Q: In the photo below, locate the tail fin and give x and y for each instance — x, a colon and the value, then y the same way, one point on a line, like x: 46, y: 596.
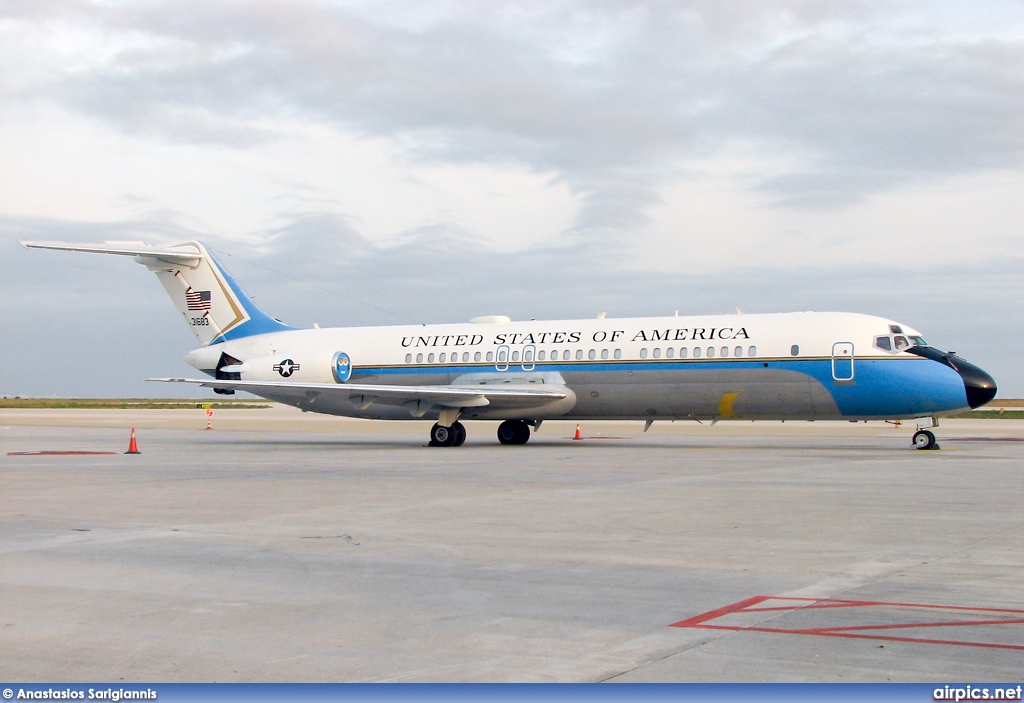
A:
x: 215, y: 308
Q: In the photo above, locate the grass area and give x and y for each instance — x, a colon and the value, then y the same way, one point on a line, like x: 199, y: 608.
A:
x: 125, y: 403
x: 1008, y: 403
x: 991, y: 415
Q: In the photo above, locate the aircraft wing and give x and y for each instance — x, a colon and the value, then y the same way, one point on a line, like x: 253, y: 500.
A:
x: 363, y: 395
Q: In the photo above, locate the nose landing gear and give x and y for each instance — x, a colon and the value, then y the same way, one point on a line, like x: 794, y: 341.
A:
x: 923, y: 439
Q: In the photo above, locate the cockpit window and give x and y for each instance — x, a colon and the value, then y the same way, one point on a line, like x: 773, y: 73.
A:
x: 918, y: 342
x: 883, y: 343
x: 901, y: 342
x: 895, y: 329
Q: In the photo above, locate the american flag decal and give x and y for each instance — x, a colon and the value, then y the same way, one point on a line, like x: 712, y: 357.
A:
x: 197, y: 299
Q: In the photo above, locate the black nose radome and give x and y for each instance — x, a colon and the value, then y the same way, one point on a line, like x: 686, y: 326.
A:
x: 980, y: 387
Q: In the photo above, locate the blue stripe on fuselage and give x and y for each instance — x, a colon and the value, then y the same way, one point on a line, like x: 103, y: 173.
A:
x: 882, y: 388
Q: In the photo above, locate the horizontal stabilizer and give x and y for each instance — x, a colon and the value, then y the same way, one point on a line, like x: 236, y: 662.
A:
x: 186, y: 255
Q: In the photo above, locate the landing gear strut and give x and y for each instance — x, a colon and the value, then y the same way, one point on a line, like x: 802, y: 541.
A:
x: 514, y: 432
x: 453, y: 436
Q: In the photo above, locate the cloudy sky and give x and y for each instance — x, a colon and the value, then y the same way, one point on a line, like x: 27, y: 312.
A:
x: 374, y: 163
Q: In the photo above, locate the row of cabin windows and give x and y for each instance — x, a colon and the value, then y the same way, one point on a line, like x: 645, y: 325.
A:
x: 709, y: 352
x: 567, y: 355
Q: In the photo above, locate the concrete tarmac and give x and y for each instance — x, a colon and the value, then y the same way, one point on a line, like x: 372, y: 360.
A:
x: 297, y: 548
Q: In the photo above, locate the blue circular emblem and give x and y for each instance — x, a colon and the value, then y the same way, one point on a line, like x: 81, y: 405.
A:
x: 342, y: 367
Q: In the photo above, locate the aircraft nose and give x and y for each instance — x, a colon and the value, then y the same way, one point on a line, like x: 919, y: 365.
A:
x: 980, y: 386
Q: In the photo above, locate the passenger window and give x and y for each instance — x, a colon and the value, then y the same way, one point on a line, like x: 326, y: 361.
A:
x: 738, y: 351
x: 618, y: 353
x: 643, y: 353
x: 465, y: 357
x: 579, y: 355
x: 794, y: 350
x: 604, y: 353
x: 476, y: 357
x: 540, y: 355
x: 592, y: 354
x: 657, y: 352
x: 901, y: 343
x: 515, y: 355
x: 490, y: 356
x: 442, y: 357
x: 430, y: 358
x: 419, y: 358
x: 883, y: 343
x: 752, y: 351
x: 554, y: 355
x: 683, y: 352
x: 696, y: 352
x: 408, y: 358
x: 711, y: 352
x: 669, y: 353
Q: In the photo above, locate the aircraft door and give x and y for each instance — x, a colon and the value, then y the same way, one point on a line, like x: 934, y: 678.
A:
x: 501, y: 358
x: 842, y: 362
x: 529, y: 357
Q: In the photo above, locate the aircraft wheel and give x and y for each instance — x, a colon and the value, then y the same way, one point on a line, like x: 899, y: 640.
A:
x: 460, y: 434
x: 923, y: 439
x: 513, y: 432
x: 441, y: 436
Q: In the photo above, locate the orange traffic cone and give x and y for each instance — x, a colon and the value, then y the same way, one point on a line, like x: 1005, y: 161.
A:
x: 133, y: 448
x: 579, y: 435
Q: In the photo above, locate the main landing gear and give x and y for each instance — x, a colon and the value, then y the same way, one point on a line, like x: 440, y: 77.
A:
x: 514, y: 432
x: 509, y: 432
x: 441, y: 436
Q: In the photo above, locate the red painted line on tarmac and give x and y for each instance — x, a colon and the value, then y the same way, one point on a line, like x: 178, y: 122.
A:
x: 957, y: 623
x: 56, y: 453
x: 850, y: 635
x: 837, y: 602
x: 750, y: 605
x: 714, y: 614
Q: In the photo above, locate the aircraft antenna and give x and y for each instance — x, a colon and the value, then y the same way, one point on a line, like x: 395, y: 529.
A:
x: 318, y: 287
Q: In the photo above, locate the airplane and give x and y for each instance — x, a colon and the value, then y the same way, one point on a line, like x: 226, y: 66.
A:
x: 783, y: 366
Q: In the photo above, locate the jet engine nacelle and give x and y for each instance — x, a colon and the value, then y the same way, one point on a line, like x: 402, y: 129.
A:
x: 301, y: 367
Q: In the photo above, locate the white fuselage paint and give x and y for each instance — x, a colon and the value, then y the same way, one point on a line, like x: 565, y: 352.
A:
x: 725, y: 355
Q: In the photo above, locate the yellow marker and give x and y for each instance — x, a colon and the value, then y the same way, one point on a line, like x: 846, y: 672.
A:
x: 726, y: 403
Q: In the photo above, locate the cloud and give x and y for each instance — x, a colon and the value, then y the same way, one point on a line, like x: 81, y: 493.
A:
x: 613, y: 98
